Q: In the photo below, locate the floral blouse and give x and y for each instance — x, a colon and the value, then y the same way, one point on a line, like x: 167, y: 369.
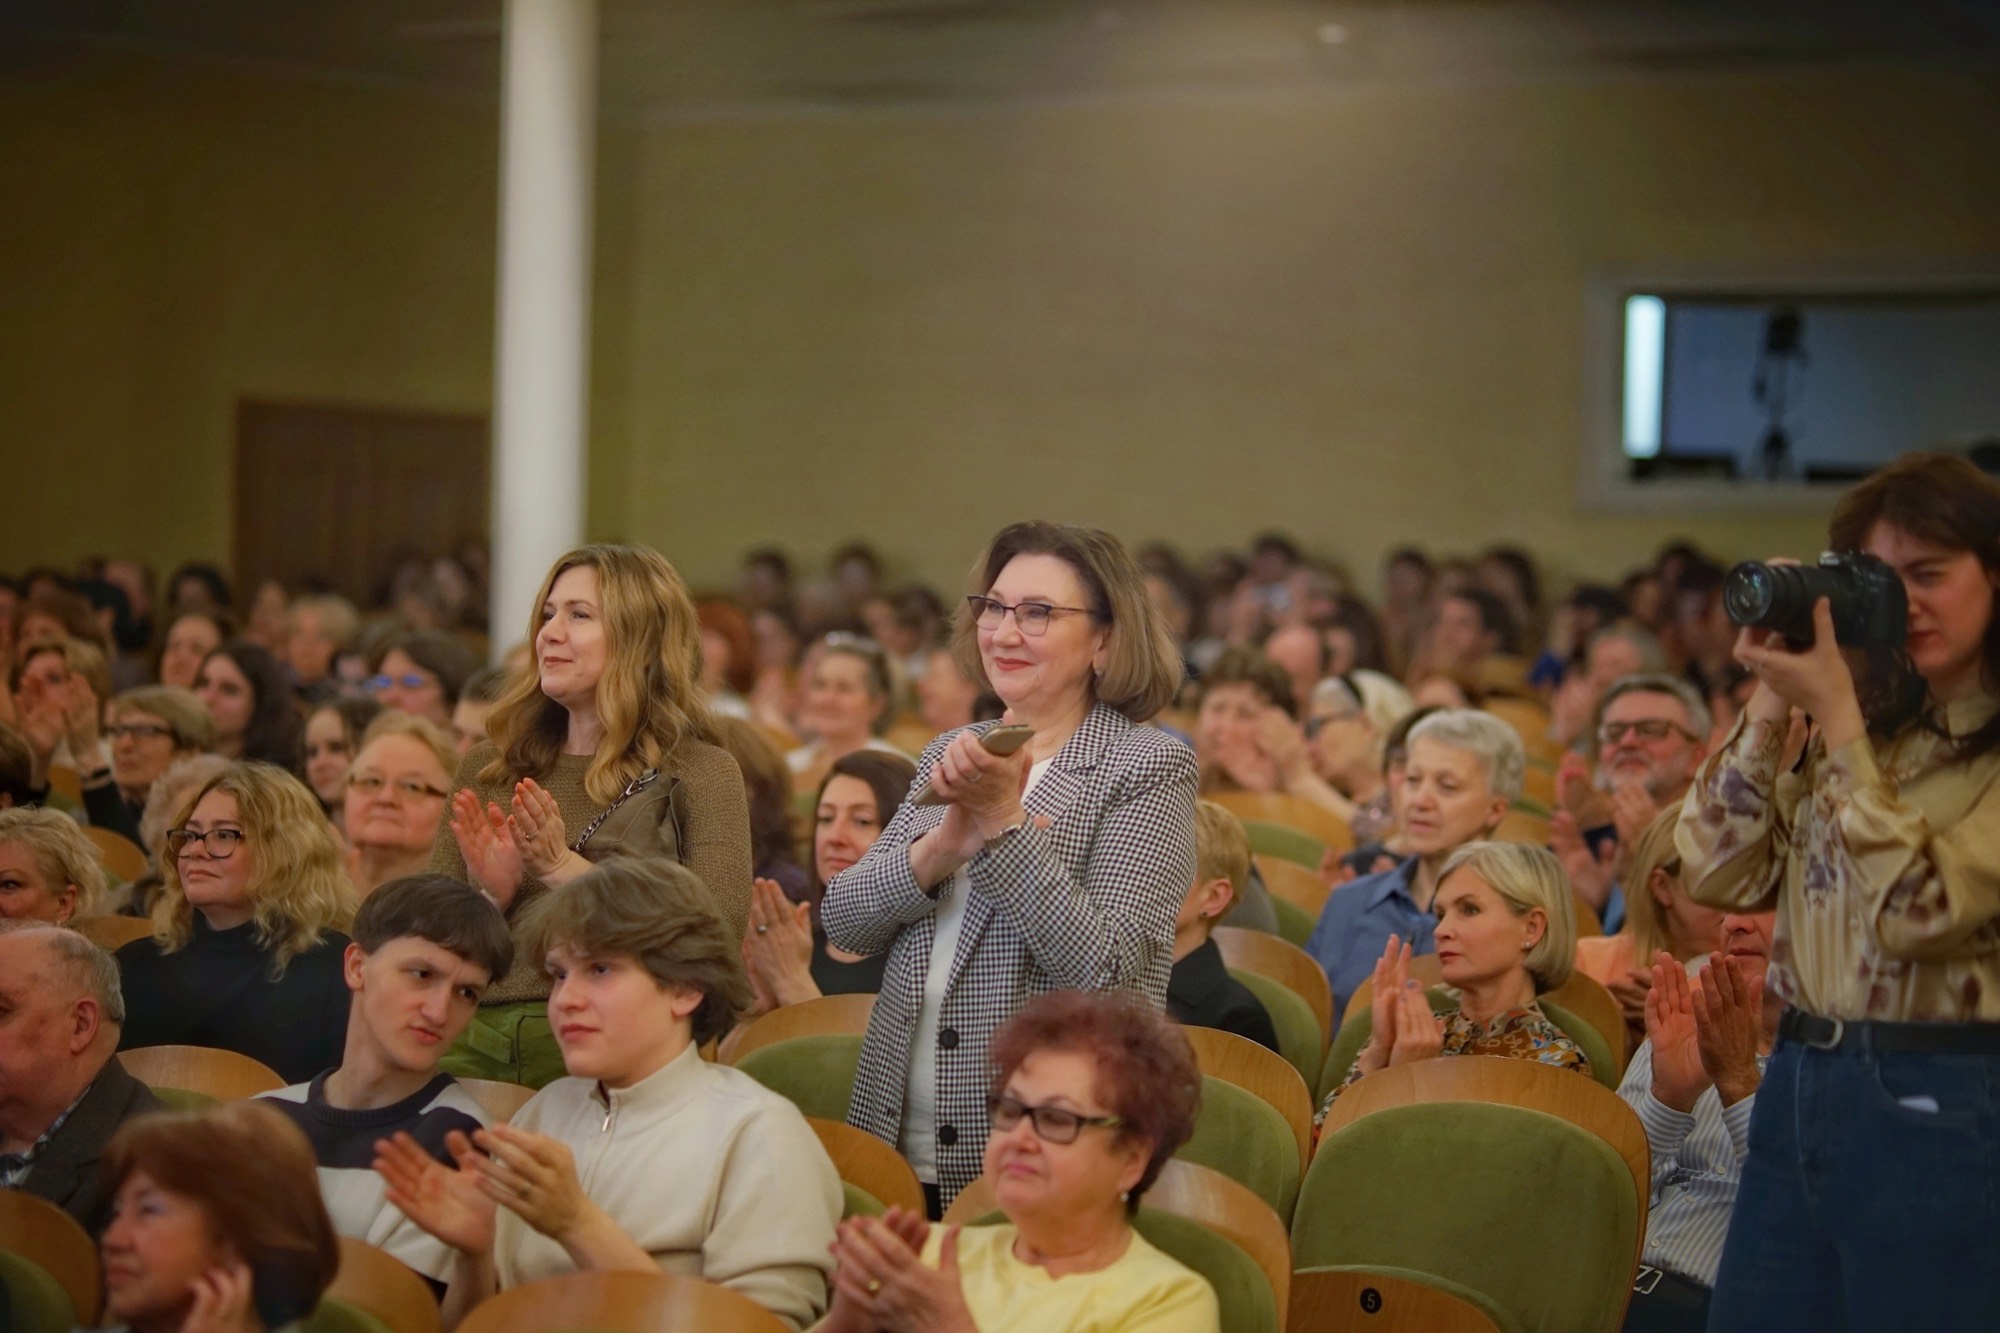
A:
x: 1884, y: 862
x: 1518, y: 1034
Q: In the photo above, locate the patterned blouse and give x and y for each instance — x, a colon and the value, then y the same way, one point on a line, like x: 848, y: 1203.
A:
x: 1885, y: 864
x: 1518, y: 1034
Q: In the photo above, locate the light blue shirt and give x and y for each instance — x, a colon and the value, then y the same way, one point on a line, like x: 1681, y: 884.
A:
x: 1697, y: 1165
x: 1356, y: 923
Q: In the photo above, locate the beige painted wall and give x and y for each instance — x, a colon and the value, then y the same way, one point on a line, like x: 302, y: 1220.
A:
x: 1360, y: 317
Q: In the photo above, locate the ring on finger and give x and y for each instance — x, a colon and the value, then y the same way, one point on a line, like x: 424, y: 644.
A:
x: 874, y: 1285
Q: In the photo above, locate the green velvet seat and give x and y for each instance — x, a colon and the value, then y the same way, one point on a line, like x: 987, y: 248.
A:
x: 1468, y: 1295
x: 31, y: 1300
x: 816, y: 1073
x: 1241, y: 1288
x: 858, y: 1202
x: 1298, y: 1029
x: 1245, y: 1138
x: 1536, y: 1215
x: 1294, y: 925
x: 1285, y: 843
x: 184, y: 1099
x: 337, y: 1316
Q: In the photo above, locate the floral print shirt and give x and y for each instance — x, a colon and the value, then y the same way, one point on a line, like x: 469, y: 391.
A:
x: 1518, y: 1034
x: 1884, y: 862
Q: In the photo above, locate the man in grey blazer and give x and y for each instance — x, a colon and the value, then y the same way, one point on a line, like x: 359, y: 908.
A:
x: 62, y: 1092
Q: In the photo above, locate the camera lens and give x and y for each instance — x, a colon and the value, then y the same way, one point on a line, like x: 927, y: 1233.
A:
x: 1748, y: 593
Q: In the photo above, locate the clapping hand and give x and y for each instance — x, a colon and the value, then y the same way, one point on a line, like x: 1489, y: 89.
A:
x: 449, y: 1204
x: 1392, y: 970
x: 882, y: 1282
x: 1728, y: 1020
x: 537, y: 827
x: 777, y: 948
x: 486, y: 840
x: 1419, y: 1034
x: 1679, y: 1077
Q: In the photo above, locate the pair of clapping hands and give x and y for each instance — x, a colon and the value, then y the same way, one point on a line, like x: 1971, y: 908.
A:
x: 1404, y: 1030
x: 502, y: 848
x: 1704, y: 1034
x: 531, y: 1174
x: 880, y: 1280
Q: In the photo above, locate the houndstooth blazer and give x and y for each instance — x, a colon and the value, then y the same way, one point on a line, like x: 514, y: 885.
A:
x: 1083, y: 897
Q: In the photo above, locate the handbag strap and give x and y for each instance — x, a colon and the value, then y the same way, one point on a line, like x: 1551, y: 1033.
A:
x: 632, y: 788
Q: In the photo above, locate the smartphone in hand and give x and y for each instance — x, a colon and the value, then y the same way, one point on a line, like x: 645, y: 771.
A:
x: 1002, y: 741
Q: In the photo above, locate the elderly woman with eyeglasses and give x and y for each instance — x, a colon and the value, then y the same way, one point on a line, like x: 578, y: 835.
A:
x: 1091, y: 1094
x: 849, y: 689
x: 1058, y: 865
x: 397, y: 791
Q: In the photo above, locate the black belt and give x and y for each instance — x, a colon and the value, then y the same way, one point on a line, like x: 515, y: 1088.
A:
x: 1831, y: 1034
x: 1671, y: 1287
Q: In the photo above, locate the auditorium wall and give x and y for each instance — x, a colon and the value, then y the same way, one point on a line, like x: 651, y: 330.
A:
x: 1359, y: 316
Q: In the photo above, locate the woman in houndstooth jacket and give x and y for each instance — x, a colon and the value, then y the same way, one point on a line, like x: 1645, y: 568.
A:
x: 1058, y: 867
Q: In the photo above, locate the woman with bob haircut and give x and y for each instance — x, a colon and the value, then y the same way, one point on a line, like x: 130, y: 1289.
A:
x: 694, y: 1168
x: 1506, y: 933
x: 246, y: 945
x: 1090, y: 1095
x: 1881, y: 849
x: 1060, y: 866
x: 152, y: 728
x: 604, y: 748
x: 218, y: 1225
x: 48, y: 869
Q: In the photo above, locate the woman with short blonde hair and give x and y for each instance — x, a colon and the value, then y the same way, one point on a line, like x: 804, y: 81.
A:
x: 395, y: 796
x: 246, y: 946
x: 48, y: 869
x: 1660, y: 917
x: 604, y: 747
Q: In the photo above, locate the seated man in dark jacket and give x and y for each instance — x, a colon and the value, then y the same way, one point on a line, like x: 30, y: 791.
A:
x: 62, y: 1094
x: 1200, y: 991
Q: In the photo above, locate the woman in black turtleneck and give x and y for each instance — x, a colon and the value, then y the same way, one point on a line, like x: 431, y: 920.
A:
x: 246, y: 947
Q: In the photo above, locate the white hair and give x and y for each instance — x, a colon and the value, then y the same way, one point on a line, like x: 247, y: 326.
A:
x: 1485, y: 737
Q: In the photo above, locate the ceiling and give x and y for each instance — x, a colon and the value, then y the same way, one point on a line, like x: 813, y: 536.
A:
x: 720, y: 57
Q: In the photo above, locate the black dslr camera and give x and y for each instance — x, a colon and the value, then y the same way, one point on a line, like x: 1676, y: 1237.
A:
x: 1870, y: 609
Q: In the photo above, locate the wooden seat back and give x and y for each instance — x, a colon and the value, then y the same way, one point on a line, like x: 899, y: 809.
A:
x: 620, y: 1303
x: 223, y: 1075
x: 1261, y: 1072
x: 1285, y: 963
x: 377, y: 1282
x: 869, y: 1164
x: 828, y: 1013
x: 50, y: 1238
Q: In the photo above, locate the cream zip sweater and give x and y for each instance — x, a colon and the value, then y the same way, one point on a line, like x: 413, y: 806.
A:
x: 713, y: 1174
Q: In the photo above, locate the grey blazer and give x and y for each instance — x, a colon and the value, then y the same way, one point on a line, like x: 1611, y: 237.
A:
x: 1084, y: 898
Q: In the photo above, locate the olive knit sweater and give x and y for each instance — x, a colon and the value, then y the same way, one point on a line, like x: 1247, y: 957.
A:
x: 714, y: 828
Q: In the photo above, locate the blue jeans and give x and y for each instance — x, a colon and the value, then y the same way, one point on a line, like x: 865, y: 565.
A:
x: 1870, y: 1197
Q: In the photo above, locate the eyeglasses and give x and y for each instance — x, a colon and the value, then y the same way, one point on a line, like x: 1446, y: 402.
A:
x: 1652, y: 729
x: 408, y: 789
x: 219, y: 843
x: 1052, y: 1123
x: 138, y: 731
x: 413, y: 681
x: 1315, y: 724
x: 1031, y: 617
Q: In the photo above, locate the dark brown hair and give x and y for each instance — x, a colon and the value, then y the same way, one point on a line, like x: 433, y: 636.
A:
x: 273, y: 733
x: 658, y: 912
x: 1946, y: 501
x: 1143, y: 669
x: 889, y: 776
x: 1146, y: 1071
x: 252, y: 1174
x: 1249, y: 666
x: 446, y: 912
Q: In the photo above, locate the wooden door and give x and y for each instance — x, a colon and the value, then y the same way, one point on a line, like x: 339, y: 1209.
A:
x: 334, y: 495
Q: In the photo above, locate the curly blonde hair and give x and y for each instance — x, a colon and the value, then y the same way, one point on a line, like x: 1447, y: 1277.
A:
x: 649, y: 699
x: 300, y: 889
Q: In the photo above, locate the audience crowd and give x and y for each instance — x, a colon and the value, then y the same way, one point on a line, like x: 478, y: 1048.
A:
x: 1046, y: 830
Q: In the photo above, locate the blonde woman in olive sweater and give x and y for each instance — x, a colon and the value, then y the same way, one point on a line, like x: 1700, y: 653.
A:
x: 602, y: 749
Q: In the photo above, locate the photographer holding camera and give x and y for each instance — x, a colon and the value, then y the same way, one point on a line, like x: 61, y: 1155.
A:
x: 1870, y: 1197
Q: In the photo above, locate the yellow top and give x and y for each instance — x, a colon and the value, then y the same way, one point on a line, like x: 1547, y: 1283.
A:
x: 1885, y: 866
x: 1145, y: 1291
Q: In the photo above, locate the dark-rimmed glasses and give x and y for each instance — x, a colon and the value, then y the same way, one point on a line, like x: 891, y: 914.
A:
x: 138, y: 731
x: 1032, y: 617
x: 1052, y: 1124
x: 219, y: 843
x: 1650, y: 729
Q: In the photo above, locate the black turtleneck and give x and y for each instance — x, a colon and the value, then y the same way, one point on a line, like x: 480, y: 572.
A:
x: 218, y: 991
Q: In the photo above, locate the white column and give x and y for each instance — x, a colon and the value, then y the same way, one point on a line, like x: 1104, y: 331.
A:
x: 548, y: 94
